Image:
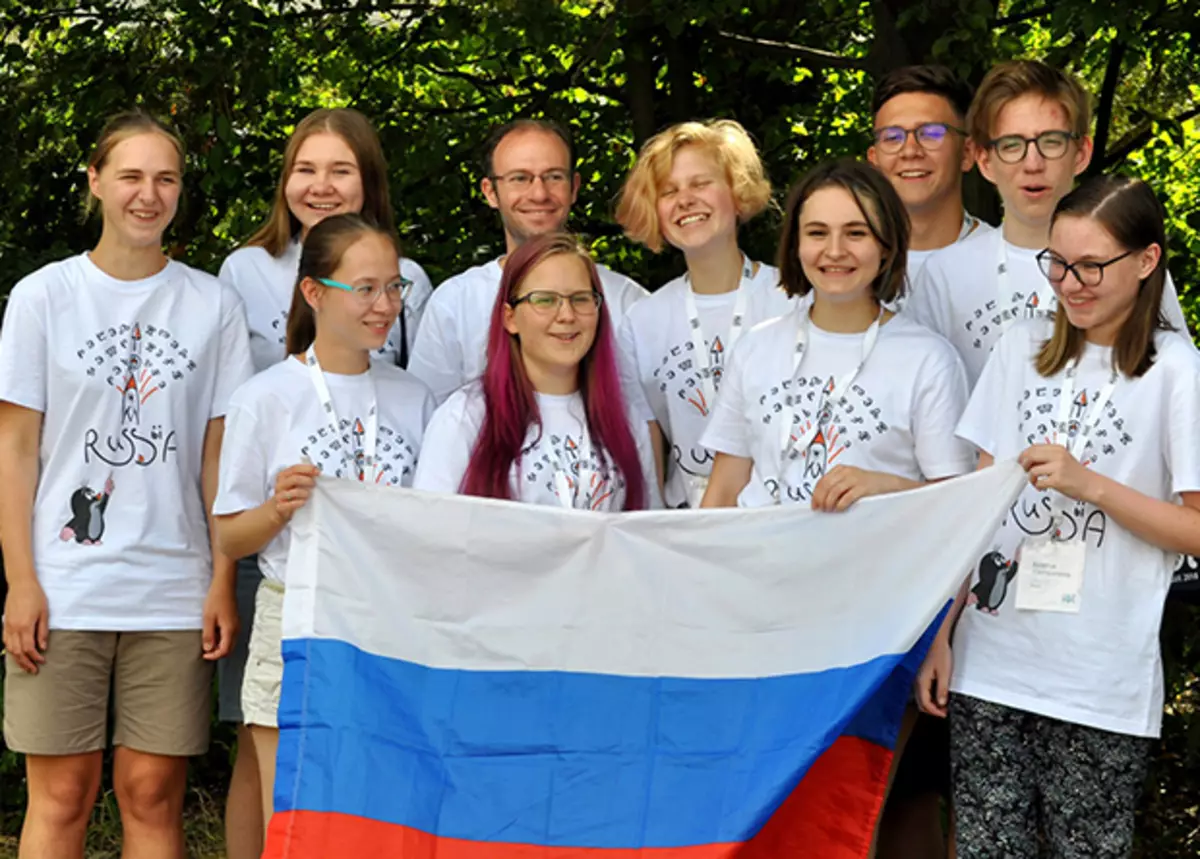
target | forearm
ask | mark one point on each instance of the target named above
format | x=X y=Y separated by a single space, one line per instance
x=18 y=476
x=224 y=568
x=248 y=532
x=1169 y=526
x=729 y=477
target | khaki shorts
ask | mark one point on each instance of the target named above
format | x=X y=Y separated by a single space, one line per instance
x=264 y=664
x=160 y=694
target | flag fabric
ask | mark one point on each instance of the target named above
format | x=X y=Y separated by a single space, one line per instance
x=469 y=678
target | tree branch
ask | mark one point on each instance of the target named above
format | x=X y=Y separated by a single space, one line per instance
x=813 y=56
x=1028 y=15
x=1108 y=92
x=1138 y=137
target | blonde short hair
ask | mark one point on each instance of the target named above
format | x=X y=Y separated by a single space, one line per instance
x=729 y=144
x=1011 y=80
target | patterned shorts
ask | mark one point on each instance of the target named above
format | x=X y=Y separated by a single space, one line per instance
x=1021 y=780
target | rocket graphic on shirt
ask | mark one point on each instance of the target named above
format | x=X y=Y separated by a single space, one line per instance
x=592 y=483
x=396 y=456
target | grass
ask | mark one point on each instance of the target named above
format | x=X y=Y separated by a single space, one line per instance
x=202 y=825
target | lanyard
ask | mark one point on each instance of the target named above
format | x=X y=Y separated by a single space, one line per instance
x=370 y=433
x=969 y=225
x=833 y=393
x=1088 y=419
x=703 y=357
x=1089 y=416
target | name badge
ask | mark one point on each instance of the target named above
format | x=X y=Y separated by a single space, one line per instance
x=1050 y=575
x=697 y=485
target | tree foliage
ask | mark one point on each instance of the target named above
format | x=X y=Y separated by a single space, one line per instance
x=236 y=75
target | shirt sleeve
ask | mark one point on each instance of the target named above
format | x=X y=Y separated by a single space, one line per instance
x=242 y=476
x=1181 y=434
x=631 y=382
x=446 y=451
x=417 y=299
x=938 y=403
x=984 y=418
x=437 y=356
x=1171 y=308
x=235 y=365
x=24 y=353
x=728 y=429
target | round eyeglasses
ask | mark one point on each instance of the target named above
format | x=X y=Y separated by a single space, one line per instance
x=929 y=135
x=1051 y=145
x=1087 y=272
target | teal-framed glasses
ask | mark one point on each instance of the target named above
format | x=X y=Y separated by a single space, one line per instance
x=396 y=291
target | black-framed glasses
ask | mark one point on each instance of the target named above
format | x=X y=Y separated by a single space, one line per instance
x=520 y=180
x=929 y=135
x=1086 y=272
x=546 y=302
x=1051 y=145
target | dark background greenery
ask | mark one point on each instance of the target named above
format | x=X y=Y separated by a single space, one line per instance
x=236 y=76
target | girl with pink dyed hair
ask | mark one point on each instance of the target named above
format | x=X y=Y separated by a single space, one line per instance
x=547 y=423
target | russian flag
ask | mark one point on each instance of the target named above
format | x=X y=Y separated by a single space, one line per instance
x=468 y=678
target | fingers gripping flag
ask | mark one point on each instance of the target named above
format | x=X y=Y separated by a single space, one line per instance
x=471 y=678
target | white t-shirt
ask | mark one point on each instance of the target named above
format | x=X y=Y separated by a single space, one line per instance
x=276 y=418
x=562 y=442
x=451 y=346
x=657 y=339
x=127 y=375
x=1100 y=667
x=958 y=294
x=897 y=416
x=266 y=284
x=972 y=226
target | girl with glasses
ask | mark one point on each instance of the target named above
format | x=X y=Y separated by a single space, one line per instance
x=544 y=424
x=326 y=409
x=692 y=187
x=1055 y=692
x=116 y=371
x=333 y=163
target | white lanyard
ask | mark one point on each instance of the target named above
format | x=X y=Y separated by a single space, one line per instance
x=1078 y=443
x=370 y=432
x=832 y=395
x=703 y=358
x=568 y=495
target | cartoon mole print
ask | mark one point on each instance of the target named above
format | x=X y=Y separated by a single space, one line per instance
x=87 y=515
x=995 y=573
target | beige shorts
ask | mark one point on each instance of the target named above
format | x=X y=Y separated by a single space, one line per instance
x=264 y=663
x=161 y=688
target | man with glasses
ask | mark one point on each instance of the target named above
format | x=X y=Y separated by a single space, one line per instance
x=1029 y=123
x=920 y=144
x=529 y=178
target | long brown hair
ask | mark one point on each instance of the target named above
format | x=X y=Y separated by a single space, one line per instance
x=123 y=126
x=881 y=208
x=356 y=130
x=1127 y=209
x=320 y=257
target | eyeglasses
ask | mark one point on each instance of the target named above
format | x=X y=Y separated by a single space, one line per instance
x=396 y=291
x=1051 y=145
x=545 y=302
x=929 y=136
x=520 y=180
x=1086 y=272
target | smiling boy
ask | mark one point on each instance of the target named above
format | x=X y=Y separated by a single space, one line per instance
x=921 y=145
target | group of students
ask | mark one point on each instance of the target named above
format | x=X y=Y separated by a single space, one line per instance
x=149 y=411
